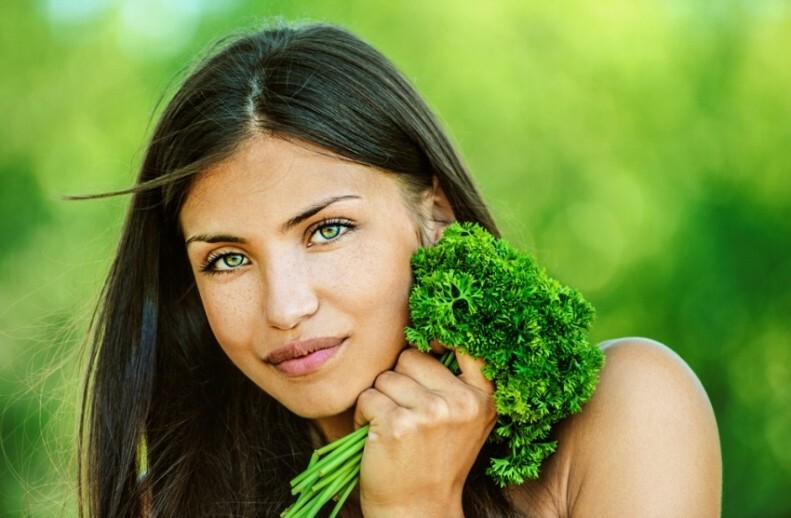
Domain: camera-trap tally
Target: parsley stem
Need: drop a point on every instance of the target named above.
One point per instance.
(349, 483)
(318, 501)
(337, 451)
(448, 359)
(333, 472)
(360, 432)
(350, 465)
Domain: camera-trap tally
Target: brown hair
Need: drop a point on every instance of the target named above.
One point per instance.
(169, 426)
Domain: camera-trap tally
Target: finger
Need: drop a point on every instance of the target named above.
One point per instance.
(371, 404)
(425, 369)
(402, 389)
(471, 372)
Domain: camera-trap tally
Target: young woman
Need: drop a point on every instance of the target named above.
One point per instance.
(257, 302)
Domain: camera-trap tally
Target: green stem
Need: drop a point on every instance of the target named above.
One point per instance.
(335, 465)
(448, 359)
(331, 490)
(360, 432)
(350, 485)
(331, 461)
(343, 447)
(350, 465)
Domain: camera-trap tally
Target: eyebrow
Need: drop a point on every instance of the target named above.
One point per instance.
(296, 220)
(315, 209)
(219, 238)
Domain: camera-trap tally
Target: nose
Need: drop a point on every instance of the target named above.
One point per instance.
(290, 296)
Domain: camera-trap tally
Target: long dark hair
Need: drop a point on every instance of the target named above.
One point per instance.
(169, 426)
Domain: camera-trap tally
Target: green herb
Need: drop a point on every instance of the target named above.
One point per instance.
(478, 295)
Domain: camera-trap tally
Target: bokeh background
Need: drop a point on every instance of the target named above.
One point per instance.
(640, 148)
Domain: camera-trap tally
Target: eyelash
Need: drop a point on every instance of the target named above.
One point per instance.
(209, 264)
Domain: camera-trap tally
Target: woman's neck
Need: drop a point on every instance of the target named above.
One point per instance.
(335, 427)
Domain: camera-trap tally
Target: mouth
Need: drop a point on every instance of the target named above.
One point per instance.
(302, 357)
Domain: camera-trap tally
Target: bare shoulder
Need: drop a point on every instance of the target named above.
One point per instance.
(645, 445)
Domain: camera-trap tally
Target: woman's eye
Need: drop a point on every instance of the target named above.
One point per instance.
(225, 262)
(329, 231)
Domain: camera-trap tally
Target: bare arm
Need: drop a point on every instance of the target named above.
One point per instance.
(647, 443)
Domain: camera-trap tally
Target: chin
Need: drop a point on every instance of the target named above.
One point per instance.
(322, 407)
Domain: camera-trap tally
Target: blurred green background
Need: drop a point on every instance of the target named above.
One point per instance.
(639, 148)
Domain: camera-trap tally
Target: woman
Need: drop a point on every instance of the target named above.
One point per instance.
(257, 302)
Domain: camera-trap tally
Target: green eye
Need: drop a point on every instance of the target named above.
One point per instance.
(330, 232)
(230, 261)
(224, 262)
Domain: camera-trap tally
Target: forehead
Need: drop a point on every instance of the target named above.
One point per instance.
(275, 176)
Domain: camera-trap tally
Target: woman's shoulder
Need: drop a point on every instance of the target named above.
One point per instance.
(645, 445)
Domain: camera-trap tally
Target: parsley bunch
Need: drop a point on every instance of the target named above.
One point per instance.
(476, 294)
(479, 295)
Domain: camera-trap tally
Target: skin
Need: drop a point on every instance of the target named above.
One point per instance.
(645, 445)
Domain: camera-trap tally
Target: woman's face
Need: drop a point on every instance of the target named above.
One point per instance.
(302, 264)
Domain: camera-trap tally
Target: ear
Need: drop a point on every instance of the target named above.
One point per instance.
(440, 212)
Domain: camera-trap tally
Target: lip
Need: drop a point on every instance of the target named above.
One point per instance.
(302, 357)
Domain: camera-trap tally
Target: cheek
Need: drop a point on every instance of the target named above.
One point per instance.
(376, 284)
(229, 310)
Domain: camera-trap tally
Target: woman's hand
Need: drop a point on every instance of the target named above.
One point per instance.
(427, 427)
